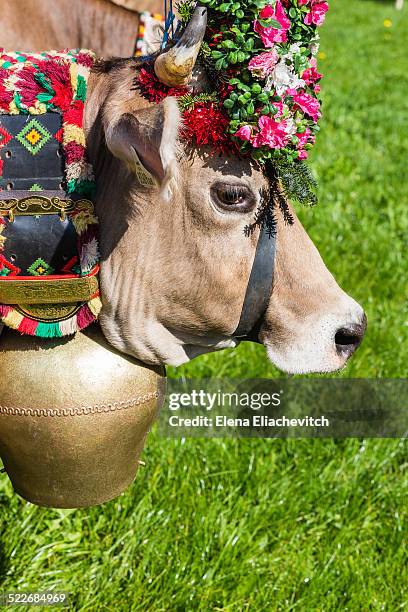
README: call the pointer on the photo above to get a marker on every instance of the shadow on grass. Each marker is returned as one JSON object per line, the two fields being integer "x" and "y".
{"x": 4, "y": 564}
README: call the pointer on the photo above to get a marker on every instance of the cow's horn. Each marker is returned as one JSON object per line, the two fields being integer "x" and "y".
{"x": 175, "y": 67}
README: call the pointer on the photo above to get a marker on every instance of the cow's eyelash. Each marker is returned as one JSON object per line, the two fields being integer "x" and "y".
{"x": 234, "y": 193}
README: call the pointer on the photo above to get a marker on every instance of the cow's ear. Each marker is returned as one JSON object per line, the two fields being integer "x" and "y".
{"x": 147, "y": 141}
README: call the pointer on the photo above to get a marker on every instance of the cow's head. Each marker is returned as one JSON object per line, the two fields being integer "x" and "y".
{"x": 175, "y": 257}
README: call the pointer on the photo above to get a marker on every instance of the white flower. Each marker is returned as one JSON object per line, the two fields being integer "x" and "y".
{"x": 283, "y": 78}
{"x": 314, "y": 46}
{"x": 291, "y": 127}
{"x": 293, "y": 49}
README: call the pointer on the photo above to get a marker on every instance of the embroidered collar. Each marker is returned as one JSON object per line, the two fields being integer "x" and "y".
{"x": 48, "y": 230}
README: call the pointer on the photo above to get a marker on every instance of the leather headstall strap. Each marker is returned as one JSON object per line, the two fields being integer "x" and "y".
{"x": 260, "y": 284}
{"x": 259, "y": 287}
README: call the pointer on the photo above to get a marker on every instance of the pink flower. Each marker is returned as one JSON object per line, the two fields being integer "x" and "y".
{"x": 311, "y": 75}
{"x": 244, "y": 132}
{"x": 317, "y": 13}
{"x": 271, "y": 35}
{"x": 316, "y": 89}
{"x": 272, "y": 133}
{"x": 318, "y": 10}
{"x": 309, "y": 105}
{"x": 263, "y": 64}
{"x": 267, "y": 12}
{"x": 281, "y": 108}
{"x": 303, "y": 138}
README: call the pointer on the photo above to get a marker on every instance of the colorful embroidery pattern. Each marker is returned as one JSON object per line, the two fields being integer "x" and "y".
{"x": 6, "y": 267}
{"x": 40, "y": 268}
{"x": 5, "y": 137}
{"x": 33, "y": 136}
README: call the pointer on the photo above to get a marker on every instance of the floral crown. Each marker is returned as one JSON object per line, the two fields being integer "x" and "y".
{"x": 260, "y": 56}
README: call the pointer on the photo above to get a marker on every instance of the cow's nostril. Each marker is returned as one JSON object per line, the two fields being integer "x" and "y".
{"x": 349, "y": 338}
{"x": 345, "y": 337}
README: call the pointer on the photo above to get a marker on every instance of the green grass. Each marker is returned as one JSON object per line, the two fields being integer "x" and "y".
{"x": 271, "y": 524}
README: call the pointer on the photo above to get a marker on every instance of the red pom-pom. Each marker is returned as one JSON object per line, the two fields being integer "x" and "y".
{"x": 207, "y": 124}
{"x": 59, "y": 76}
{"x": 75, "y": 115}
{"x": 153, "y": 89}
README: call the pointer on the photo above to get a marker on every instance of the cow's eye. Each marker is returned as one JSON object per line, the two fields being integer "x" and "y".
{"x": 230, "y": 197}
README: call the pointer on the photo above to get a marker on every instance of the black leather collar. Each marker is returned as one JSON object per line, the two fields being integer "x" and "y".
{"x": 259, "y": 287}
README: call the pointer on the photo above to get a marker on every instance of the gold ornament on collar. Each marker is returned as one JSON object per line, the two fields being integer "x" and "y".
{"x": 41, "y": 205}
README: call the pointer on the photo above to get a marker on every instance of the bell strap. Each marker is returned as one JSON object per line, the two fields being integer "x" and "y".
{"x": 49, "y": 290}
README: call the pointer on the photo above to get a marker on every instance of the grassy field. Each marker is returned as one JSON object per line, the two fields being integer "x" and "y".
{"x": 271, "y": 524}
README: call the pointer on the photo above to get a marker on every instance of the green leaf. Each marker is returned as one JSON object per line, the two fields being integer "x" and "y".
{"x": 270, "y": 23}
{"x": 219, "y": 64}
{"x": 249, "y": 45}
{"x": 263, "y": 97}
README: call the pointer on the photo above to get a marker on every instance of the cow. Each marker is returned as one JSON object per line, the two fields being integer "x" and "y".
{"x": 39, "y": 25}
{"x": 175, "y": 258}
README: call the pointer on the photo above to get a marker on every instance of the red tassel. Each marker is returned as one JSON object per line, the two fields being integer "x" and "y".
{"x": 28, "y": 326}
{"x": 85, "y": 317}
{"x": 4, "y": 310}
